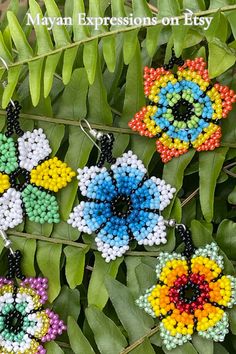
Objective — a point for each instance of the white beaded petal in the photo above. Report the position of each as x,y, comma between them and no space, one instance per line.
157,236
11,213
33,147
85,176
16,347
110,253
129,159
76,219
166,192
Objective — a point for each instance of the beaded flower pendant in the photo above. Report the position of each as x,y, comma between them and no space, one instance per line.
185,108
24,324
121,204
28,177
191,294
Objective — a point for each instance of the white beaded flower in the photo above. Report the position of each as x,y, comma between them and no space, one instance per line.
121,204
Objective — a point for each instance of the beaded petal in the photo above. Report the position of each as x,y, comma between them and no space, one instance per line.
33,147
121,204
190,295
185,109
24,324
40,177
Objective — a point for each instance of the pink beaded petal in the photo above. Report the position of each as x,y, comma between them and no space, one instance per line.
56,327
40,285
41,350
4,281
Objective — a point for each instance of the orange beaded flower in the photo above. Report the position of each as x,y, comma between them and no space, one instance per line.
191,295
185,108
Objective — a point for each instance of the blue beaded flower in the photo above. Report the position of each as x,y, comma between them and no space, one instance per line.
121,204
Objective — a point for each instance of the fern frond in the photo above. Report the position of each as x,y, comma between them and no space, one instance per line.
60,46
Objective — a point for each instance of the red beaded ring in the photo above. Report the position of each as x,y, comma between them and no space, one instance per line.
185,108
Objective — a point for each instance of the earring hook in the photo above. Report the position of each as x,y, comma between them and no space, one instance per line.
93,132
4,82
7,242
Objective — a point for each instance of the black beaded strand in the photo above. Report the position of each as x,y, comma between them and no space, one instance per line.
185,234
173,60
13,113
106,143
14,270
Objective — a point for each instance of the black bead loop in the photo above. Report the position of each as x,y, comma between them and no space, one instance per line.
186,236
14,270
173,60
106,143
13,125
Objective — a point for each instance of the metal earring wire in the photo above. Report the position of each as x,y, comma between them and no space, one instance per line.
4,83
106,142
93,133
7,243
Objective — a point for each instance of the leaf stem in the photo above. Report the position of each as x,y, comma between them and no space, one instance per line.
47,239
140,341
63,345
112,33
76,123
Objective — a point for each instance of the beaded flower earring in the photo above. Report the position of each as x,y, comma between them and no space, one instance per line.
185,108
24,324
191,294
28,177
120,203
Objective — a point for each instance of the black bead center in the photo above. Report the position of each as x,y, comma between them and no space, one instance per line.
189,292
121,206
14,321
19,179
183,110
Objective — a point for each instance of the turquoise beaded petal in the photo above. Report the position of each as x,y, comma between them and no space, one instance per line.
40,206
8,156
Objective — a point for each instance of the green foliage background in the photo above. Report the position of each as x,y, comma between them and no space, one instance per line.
73,73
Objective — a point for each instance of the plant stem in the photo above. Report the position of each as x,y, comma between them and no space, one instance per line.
112,33
76,123
47,239
139,341
63,345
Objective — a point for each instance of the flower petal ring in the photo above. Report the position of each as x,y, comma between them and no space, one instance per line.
185,108
121,204
24,324
29,178
191,295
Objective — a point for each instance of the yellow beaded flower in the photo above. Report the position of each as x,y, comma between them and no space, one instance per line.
192,294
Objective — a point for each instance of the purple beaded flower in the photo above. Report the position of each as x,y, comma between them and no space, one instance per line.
24,324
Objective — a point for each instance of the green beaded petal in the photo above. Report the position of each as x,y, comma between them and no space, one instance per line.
40,206
217,332
170,341
8,157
